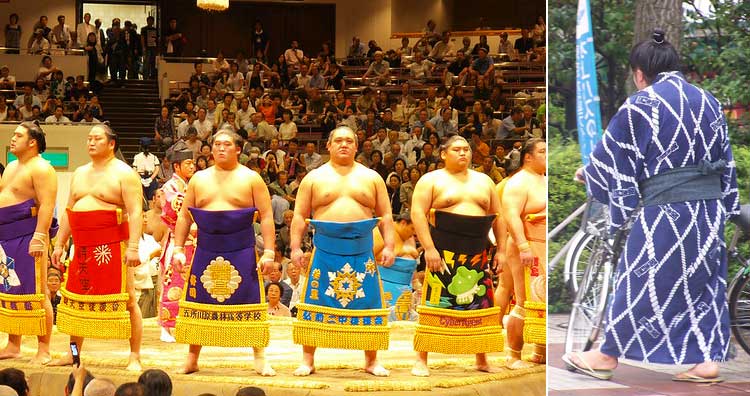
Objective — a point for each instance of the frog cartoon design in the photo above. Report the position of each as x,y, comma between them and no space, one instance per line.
464,285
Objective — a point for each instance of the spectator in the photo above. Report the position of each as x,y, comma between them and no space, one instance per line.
46,69
529,121
199,74
94,56
164,128
83,30
483,66
38,43
404,50
513,158
505,46
499,157
356,53
523,45
98,387
173,39
442,124
420,70
134,50
58,117
7,81
466,42
294,56
443,49
261,40
481,90
249,391
287,128
182,128
27,110
15,379
458,68
481,44
155,382
3,108
274,276
147,166
54,280
311,159
117,54
379,71
406,190
6,390
150,46
376,164
13,35
61,34
275,306
472,126
43,25
393,185
294,278
429,33
513,125
479,149
130,389
316,79
89,118
422,47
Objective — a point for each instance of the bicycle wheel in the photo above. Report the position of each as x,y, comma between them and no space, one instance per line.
739,309
589,306
576,260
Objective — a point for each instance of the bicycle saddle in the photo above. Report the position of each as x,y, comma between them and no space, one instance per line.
743,219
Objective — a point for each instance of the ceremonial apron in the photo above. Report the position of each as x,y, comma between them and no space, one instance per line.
21,287
94,294
457,314
535,322
223,303
173,281
342,303
397,286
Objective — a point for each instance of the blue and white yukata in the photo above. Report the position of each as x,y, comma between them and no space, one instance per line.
669,303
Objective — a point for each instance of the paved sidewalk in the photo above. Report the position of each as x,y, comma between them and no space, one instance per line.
635,378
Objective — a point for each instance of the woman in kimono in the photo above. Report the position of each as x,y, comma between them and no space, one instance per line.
665,163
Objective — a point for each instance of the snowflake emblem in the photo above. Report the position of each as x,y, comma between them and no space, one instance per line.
345,285
370,267
102,254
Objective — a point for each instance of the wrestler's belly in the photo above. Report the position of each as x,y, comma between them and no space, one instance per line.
9,198
89,203
342,210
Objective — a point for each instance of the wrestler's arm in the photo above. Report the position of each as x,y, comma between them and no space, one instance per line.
63,233
377,243
498,228
384,211
302,210
514,198
44,181
132,197
262,200
421,202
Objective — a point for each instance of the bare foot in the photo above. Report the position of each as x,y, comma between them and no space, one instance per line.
703,370
66,361
10,352
483,365
377,370
420,369
189,368
41,358
264,369
596,360
134,363
304,370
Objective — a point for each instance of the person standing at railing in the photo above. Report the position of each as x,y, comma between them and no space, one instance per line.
13,35
61,34
665,164
83,29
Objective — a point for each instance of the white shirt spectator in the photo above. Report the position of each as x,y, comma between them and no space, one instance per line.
288,130
61,34
82,33
145,164
312,161
18,103
54,120
243,117
293,57
205,128
296,290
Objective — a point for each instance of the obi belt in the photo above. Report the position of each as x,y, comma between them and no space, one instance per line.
21,276
342,304
457,314
397,286
94,295
223,302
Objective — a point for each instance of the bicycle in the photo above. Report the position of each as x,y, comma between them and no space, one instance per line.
601,254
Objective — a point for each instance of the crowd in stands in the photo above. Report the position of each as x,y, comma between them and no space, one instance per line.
81,382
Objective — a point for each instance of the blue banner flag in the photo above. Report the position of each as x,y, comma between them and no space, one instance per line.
589,118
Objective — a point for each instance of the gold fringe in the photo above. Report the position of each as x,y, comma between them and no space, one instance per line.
224,333
502,375
96,316
535,323
105,325
387,386
451,331
23,322
333,334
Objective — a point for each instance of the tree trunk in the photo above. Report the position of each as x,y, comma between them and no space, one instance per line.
664,14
